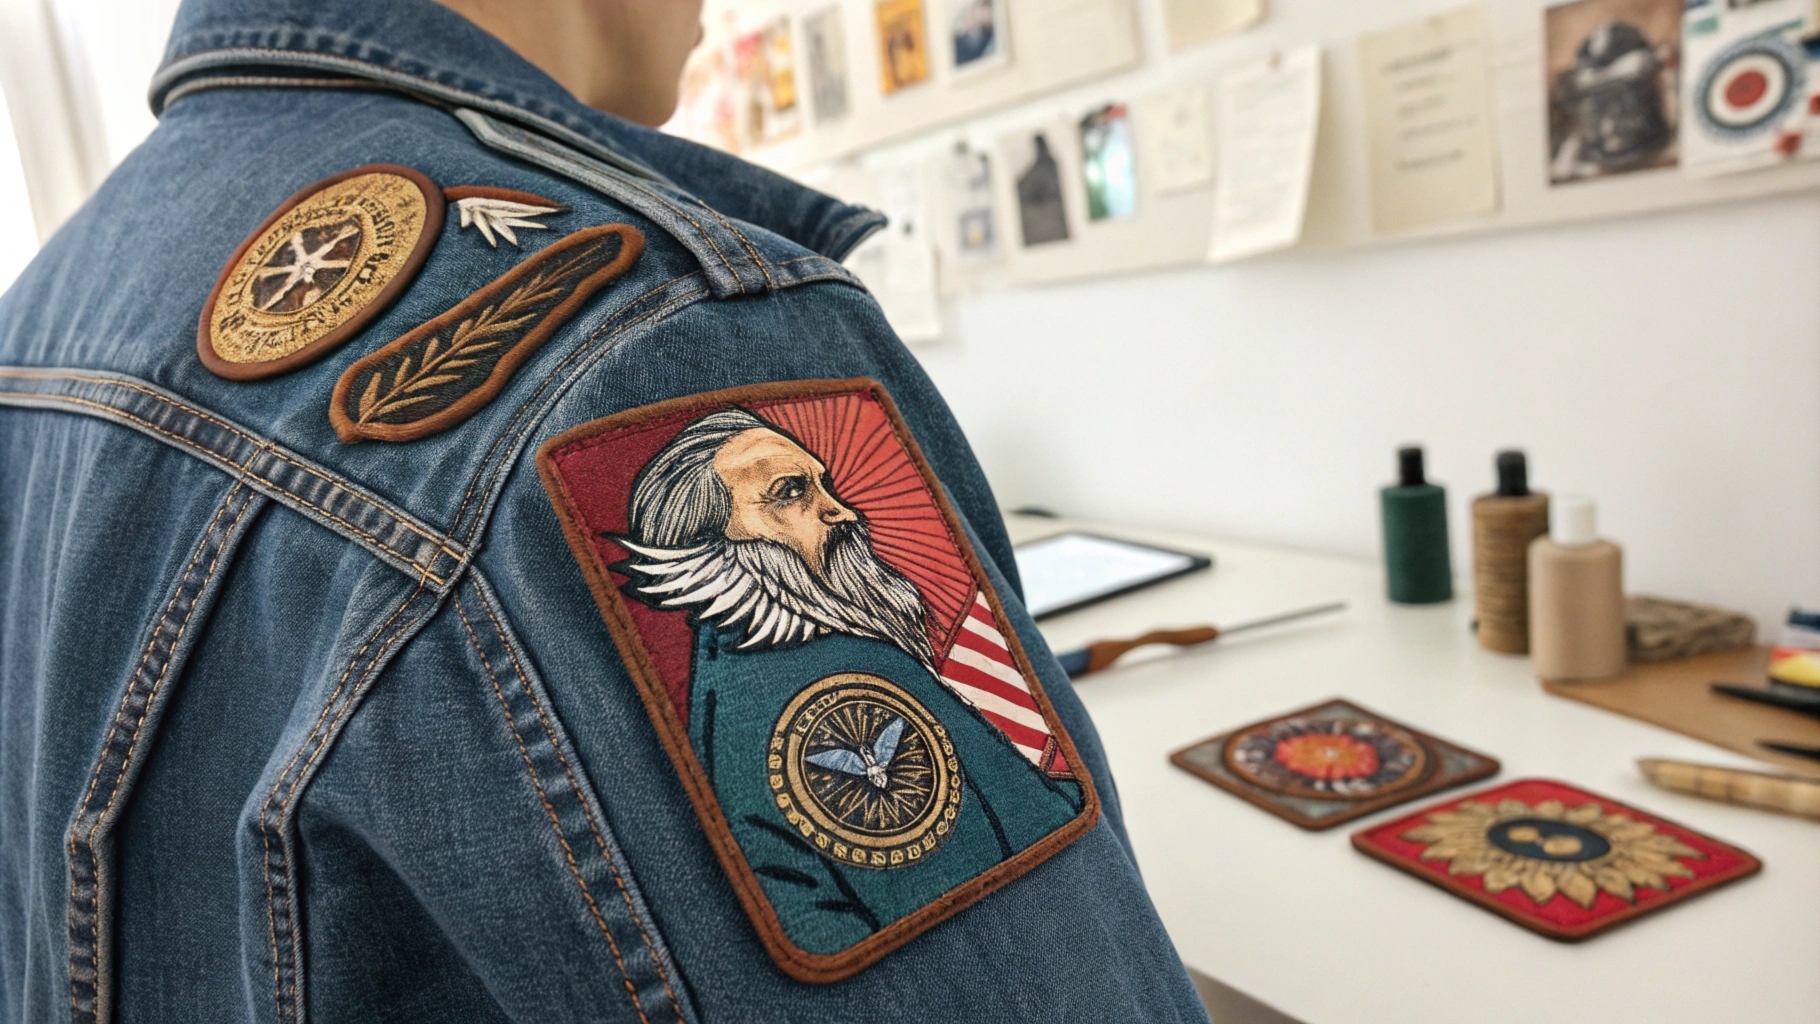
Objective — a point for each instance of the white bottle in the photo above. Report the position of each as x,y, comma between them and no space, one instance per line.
1576,597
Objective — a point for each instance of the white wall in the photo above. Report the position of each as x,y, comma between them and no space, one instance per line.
1667,365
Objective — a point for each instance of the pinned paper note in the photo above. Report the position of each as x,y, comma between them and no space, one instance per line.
1175,140
897,264
1428,121
1268,112
1192,22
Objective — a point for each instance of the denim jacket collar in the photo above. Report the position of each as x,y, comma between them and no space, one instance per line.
424,48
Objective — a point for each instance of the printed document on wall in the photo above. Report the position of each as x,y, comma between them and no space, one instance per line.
1174,142
1267,113
898,263
1427,92
1192,22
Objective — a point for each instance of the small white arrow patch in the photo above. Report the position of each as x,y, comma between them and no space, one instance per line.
501,216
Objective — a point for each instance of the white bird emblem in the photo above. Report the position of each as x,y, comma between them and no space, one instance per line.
869,761
501,215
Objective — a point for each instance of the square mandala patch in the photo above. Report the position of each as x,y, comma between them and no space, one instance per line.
1331,763
1554,858
858,728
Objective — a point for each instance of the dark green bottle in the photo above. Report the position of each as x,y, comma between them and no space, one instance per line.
1416,558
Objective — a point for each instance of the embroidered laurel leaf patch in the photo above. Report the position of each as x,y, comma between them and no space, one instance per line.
443,371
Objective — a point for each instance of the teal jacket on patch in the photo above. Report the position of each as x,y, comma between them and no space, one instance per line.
321,697
744,700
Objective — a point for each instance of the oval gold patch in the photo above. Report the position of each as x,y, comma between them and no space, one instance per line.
318,270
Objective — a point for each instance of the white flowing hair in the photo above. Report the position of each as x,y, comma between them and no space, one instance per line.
682,559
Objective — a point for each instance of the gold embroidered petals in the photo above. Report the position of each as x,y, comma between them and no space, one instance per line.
443,371
318,270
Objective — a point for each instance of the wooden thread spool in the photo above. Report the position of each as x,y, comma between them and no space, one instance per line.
1503,524
1502,528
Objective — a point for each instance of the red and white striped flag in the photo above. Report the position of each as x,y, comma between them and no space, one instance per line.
981,671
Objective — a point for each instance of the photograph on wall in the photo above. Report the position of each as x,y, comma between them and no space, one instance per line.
707,105
1107,166
1750,87
1613,94
767,72
968,180
903,44
979,35
825,51
1042,212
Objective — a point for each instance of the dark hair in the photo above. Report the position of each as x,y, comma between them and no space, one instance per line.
678,500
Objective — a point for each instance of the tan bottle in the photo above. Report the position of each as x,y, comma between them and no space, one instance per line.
1576,597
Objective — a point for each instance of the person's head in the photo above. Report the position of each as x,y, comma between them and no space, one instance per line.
621,56
733,506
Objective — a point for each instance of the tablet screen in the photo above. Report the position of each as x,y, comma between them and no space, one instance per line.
1070,570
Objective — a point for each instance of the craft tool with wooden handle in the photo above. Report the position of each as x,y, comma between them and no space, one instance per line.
1101,654
1780,695
1791,749
1784,793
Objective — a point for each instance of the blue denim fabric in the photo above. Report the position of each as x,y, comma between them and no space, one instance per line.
295,729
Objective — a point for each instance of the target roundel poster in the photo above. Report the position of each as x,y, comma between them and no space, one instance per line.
1749,87
824,658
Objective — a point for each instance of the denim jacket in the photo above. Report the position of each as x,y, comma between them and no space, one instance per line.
294,728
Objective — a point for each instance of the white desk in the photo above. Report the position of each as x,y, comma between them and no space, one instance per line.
1304,923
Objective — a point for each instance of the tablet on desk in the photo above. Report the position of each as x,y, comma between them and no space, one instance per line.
1072,570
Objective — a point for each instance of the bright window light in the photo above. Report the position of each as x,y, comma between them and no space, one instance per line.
18,236
118,45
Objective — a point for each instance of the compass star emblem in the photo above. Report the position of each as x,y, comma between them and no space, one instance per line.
310,262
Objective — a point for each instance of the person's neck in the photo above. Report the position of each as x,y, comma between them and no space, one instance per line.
558,36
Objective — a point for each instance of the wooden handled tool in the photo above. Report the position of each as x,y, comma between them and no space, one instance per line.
1101,654
1784,793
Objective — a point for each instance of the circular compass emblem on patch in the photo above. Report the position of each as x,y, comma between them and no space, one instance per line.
318,270
865,772
1336,758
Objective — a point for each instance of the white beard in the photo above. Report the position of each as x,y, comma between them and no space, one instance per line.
771,590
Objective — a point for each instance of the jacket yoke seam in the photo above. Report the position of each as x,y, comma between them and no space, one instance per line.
244,471
272,828
325,475
575,785
555,821
91,940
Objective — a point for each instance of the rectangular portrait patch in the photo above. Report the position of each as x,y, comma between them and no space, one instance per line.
860,731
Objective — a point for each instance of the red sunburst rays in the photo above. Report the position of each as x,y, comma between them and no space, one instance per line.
874,474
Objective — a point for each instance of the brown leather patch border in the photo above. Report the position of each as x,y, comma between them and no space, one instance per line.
457,193
814,968
632,243
1435,778
432,230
